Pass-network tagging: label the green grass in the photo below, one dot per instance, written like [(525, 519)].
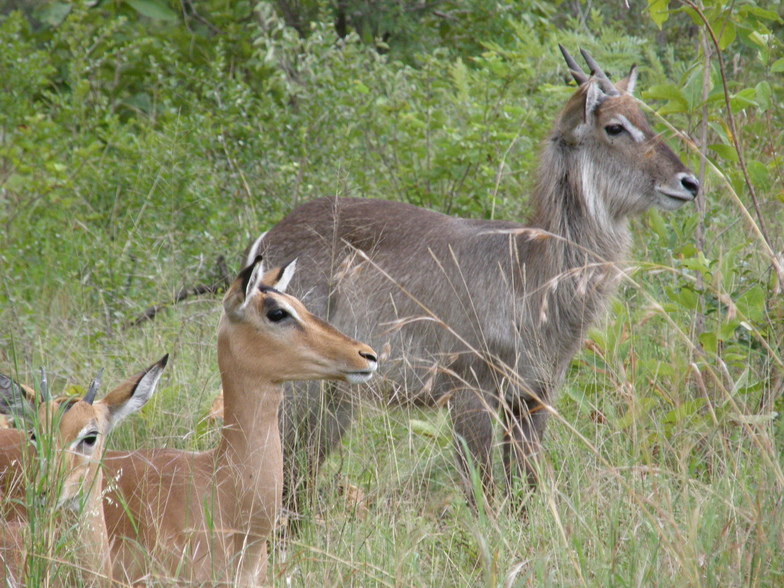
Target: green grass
[(663, 464), (622, 501)]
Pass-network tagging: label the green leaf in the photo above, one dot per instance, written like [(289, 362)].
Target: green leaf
[(763, 92), (53, 14), (698, 263), (727, 330), (758, 173), (152, 9), (684, 411), (688, 298), (752, 303), (665, 92), (742, 99), (657, 224), (659, 11), (725, 152), (762, 13), (709, 342), (778, 67), (727, 35)]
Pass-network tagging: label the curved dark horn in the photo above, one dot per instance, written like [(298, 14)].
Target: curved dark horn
[(596, 71), (44, 387), (93, 389), (577, 72)]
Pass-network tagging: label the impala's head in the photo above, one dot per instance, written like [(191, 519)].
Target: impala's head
[(266, 333), (620, 157), (69, 434)]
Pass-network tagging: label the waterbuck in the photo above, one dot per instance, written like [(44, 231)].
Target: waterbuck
[(482, 314)]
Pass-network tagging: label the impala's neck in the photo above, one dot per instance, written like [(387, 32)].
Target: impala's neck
[(250, 413), (93, 535), (250, 438)]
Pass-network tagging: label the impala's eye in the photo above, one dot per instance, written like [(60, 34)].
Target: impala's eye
[(32, 436), (91, 439), (277, 314), (614, 130)]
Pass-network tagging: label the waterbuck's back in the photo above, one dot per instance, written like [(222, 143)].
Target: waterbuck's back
[(431, 289)]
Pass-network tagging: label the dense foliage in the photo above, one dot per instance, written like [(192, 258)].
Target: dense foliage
[(142, 139)]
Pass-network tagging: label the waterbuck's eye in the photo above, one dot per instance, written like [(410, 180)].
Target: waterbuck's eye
[(277, 314), (614, 130)]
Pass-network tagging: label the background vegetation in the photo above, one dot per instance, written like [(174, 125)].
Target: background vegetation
[(142, 139)]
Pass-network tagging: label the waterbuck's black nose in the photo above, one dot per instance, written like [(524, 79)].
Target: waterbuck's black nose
[(368, 356), (691, 184)]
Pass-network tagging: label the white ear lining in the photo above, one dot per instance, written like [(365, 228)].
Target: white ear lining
[(141, 394), (285, 276), (632, 81), (253, 281), (254, 250), (593, 97)]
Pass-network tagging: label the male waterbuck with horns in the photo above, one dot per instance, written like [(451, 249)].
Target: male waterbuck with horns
[(482, 314)]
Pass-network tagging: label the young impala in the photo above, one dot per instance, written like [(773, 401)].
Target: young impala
[(59, 453), (516, 298), (205, 517)]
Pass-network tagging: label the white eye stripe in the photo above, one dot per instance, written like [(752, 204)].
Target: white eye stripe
[(636, 134), (86, 431), (288, 308)]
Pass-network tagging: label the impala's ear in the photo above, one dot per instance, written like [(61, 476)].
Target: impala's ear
[(242, 287), (280, 277), (628, 83), (134, 392), (15, 399), (255, 277)]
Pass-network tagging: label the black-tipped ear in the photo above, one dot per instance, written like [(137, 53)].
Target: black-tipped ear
[(246, 274), (132, 394)]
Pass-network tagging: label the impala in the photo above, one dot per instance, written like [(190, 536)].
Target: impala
[(506, 304), (204, 517), (61, 452)]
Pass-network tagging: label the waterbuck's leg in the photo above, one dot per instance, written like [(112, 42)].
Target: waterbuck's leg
[(315, 417), (473, 429), (524, 426)]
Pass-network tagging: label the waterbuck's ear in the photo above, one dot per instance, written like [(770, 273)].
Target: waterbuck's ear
[(280, 277), (628, 83), (134, 392), (593, 98)]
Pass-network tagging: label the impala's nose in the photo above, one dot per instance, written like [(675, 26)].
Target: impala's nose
[(369, 356), (691, 184)]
